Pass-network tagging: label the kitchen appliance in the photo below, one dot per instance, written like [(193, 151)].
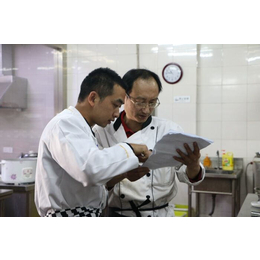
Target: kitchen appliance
[(31, 154), (18, 171), (13, 89), (255, 205), (256, 171)]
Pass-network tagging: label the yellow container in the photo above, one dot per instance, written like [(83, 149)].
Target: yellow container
[(227, 161), (207, 162), (181, 210)]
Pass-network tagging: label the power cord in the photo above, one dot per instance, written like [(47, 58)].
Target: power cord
[(246, 176)]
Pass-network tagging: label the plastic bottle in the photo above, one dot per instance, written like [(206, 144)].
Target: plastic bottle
[(207, 162), (227, 161)]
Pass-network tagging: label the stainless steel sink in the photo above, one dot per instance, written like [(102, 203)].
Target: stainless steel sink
[(218, 171)]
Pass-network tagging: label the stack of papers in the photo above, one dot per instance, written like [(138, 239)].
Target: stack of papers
[(165, 149)]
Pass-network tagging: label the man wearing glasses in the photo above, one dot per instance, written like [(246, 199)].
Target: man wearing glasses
[(145, 194)]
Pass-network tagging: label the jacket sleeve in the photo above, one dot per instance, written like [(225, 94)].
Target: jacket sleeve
[(76, 151), (183, 177)]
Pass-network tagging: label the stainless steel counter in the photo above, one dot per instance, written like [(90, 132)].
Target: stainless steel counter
[(245, 210)]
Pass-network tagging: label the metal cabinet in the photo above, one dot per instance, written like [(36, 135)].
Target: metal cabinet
[(219, 184), (21, 203), (4, 194)]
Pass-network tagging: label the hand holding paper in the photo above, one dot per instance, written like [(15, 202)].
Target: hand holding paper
[(165, 149)]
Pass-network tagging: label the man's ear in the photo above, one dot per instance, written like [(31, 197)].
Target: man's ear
[(93, 97)]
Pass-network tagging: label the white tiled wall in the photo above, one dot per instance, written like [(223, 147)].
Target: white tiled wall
[(228, 96), (82, 59), (223, 82), (228, 103)]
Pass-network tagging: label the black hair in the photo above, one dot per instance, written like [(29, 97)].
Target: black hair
[(101, 80), (132, 75)]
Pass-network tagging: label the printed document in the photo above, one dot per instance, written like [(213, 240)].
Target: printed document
[(165, 149)]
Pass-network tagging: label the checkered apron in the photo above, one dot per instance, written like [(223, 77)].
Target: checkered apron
[(75, 212)]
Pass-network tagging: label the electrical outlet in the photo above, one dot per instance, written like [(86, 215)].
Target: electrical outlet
[(7, 149)]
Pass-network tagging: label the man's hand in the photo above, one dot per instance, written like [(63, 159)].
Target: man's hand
[(137, 173), (141, 151), (190, 159)]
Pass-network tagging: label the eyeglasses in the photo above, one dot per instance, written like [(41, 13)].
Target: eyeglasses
[(140, 104)]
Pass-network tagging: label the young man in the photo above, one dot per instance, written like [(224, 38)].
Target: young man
[(150, 194), (71, 169)]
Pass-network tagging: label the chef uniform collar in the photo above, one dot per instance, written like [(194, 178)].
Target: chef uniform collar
[(89, 126), (129, 132)]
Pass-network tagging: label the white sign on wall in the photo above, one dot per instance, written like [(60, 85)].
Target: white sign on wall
[(181, 99)]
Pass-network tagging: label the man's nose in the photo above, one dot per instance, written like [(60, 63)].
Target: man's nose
[(146, 109), (116, 113)]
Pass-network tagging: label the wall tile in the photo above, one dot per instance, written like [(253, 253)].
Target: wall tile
[(148, 48), (253, 130), (188, 126), (186, 58), (253, 111), (253, 93), (184, 112), (209, 129), (71, 51), (254, 54), (209, 76), (86, 50), (125, 63), (209, 94), (235, 75), (71, 65), (235, 56), (166, 94), (210, 46), (238, 147), (234, 112), (254, 74), (72, 81), (252, 148), (149, 61), (165, 111), (107, 49), (234, 130), (210, 58), (72, 97), (108, 61), (234, 93), (226, 46), (126, 49), (86, 65), (209, 112), (185, 90), (163, 59)]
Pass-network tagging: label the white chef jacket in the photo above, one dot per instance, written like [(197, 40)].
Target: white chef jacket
[(71, 170), (160, 186)]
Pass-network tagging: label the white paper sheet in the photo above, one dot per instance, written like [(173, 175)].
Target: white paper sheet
[(165, 149)]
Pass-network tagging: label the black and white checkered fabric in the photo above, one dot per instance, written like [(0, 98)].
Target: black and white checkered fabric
[(75, 212)]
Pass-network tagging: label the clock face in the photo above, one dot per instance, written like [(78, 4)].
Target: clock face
[(172, 73)]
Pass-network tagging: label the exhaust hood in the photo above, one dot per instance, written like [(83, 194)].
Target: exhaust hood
[(13, 90)]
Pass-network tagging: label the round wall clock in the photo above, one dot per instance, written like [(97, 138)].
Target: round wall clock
[(172, 73)]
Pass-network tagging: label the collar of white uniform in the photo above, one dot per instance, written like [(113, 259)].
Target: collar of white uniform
[(118, 122), (75, 110)]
